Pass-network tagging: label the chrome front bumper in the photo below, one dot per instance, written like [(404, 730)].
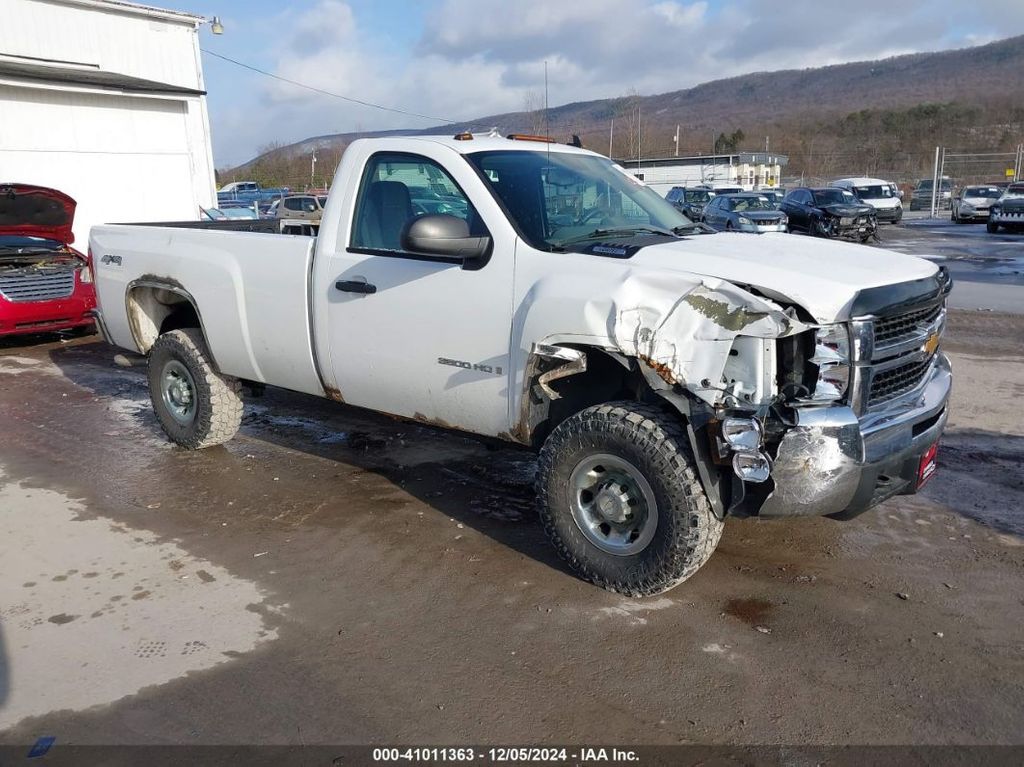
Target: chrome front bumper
[(834, 463)]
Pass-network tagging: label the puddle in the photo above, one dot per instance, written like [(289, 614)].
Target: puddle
[(91, 612)]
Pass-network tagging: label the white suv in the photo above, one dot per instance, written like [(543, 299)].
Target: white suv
[(877, 193)]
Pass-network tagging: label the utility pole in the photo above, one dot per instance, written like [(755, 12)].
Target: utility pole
[(677, 141), (611, 134), (639, 137), (935, 181), (312, 168)]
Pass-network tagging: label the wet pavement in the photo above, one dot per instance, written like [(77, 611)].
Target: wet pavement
[(334, 576), (987, 269)]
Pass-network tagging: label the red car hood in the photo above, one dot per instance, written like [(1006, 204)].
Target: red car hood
[(35, 211)]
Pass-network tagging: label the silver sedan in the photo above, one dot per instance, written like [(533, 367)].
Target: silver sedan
[(746, 212)]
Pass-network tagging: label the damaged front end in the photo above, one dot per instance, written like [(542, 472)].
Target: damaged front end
[(786, 416)]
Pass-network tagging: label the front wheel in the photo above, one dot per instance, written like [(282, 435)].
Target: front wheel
[(619, 497), (197, 406), (991, 227)]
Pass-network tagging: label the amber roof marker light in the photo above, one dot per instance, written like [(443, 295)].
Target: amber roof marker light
[(528, 137)]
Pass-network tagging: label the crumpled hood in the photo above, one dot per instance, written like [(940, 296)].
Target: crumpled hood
[(36, 211), (822, 276), (841, 209)]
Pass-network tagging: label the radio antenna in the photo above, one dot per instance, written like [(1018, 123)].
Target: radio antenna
[(547, 115)]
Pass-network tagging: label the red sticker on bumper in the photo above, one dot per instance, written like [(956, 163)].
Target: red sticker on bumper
[(928, 465)]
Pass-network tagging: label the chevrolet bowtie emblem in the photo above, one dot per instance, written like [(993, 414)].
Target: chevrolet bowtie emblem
[(931, 344)]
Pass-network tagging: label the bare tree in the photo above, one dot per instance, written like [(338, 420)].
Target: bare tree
[(533, 105)]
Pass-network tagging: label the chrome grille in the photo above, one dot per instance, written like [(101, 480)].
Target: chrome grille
[(37, 285), (892, 330), (891, 383)]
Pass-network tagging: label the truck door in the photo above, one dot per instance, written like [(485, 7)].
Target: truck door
[(411, 335)]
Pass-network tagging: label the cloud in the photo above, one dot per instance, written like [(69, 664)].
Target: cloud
[(479, 57)]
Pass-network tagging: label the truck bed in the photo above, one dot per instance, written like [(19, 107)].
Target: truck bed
[(250, 290)]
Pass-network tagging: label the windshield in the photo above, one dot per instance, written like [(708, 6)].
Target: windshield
[(700, 196), (833, 196), (558, 197), (989, 192), (322, 201), (1015, 190), (740, 204), (872, 192), (925, 184)]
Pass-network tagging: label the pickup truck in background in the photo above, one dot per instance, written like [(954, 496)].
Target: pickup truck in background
[(250, 191), (667, 376), (45, 284)]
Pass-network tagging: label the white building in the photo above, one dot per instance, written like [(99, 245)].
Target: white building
[(104, 100), (750, 170)]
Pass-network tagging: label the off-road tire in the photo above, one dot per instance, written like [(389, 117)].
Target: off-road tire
[(657, 445), (218, 397)]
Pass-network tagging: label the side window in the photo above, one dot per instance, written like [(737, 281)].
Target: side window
[(293, 203), (399, 187)]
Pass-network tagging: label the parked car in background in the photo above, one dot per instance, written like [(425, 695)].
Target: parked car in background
[(1008, 210), (45, 284), (239, 209), (690, 201), (921, 198), (876, 193), (972, 203), (250, 191), (726, 189), (426, 201), (306, 207), (830, 212), (745, 212)]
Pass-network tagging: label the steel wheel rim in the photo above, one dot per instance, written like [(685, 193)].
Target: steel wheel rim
[(178, 392), (612, 504)]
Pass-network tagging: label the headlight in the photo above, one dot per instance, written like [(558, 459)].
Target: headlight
[(85, 275), (832, 356), (744, 220), (966, 206), (784, 220)]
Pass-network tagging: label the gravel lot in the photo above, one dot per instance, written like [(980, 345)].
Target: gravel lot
[(332, 576)]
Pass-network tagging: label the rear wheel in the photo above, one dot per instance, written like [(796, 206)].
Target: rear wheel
[(197, 406), (619, 497)]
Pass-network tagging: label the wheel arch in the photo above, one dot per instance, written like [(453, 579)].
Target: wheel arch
[(156, 306), (564, 379)]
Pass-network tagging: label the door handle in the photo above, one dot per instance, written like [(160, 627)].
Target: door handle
[(354, 286)]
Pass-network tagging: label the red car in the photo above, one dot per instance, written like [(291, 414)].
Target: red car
[(45, 284)]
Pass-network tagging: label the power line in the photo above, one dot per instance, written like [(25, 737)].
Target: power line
[(328, 93)]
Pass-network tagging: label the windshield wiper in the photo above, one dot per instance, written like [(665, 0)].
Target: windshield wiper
[(598, 233)]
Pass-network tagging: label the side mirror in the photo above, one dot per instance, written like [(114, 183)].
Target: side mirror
[(443, 236)]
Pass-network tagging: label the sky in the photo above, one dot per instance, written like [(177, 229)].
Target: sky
[(455, 60)]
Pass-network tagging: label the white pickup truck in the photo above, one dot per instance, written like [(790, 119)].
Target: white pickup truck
[(668, 376)]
